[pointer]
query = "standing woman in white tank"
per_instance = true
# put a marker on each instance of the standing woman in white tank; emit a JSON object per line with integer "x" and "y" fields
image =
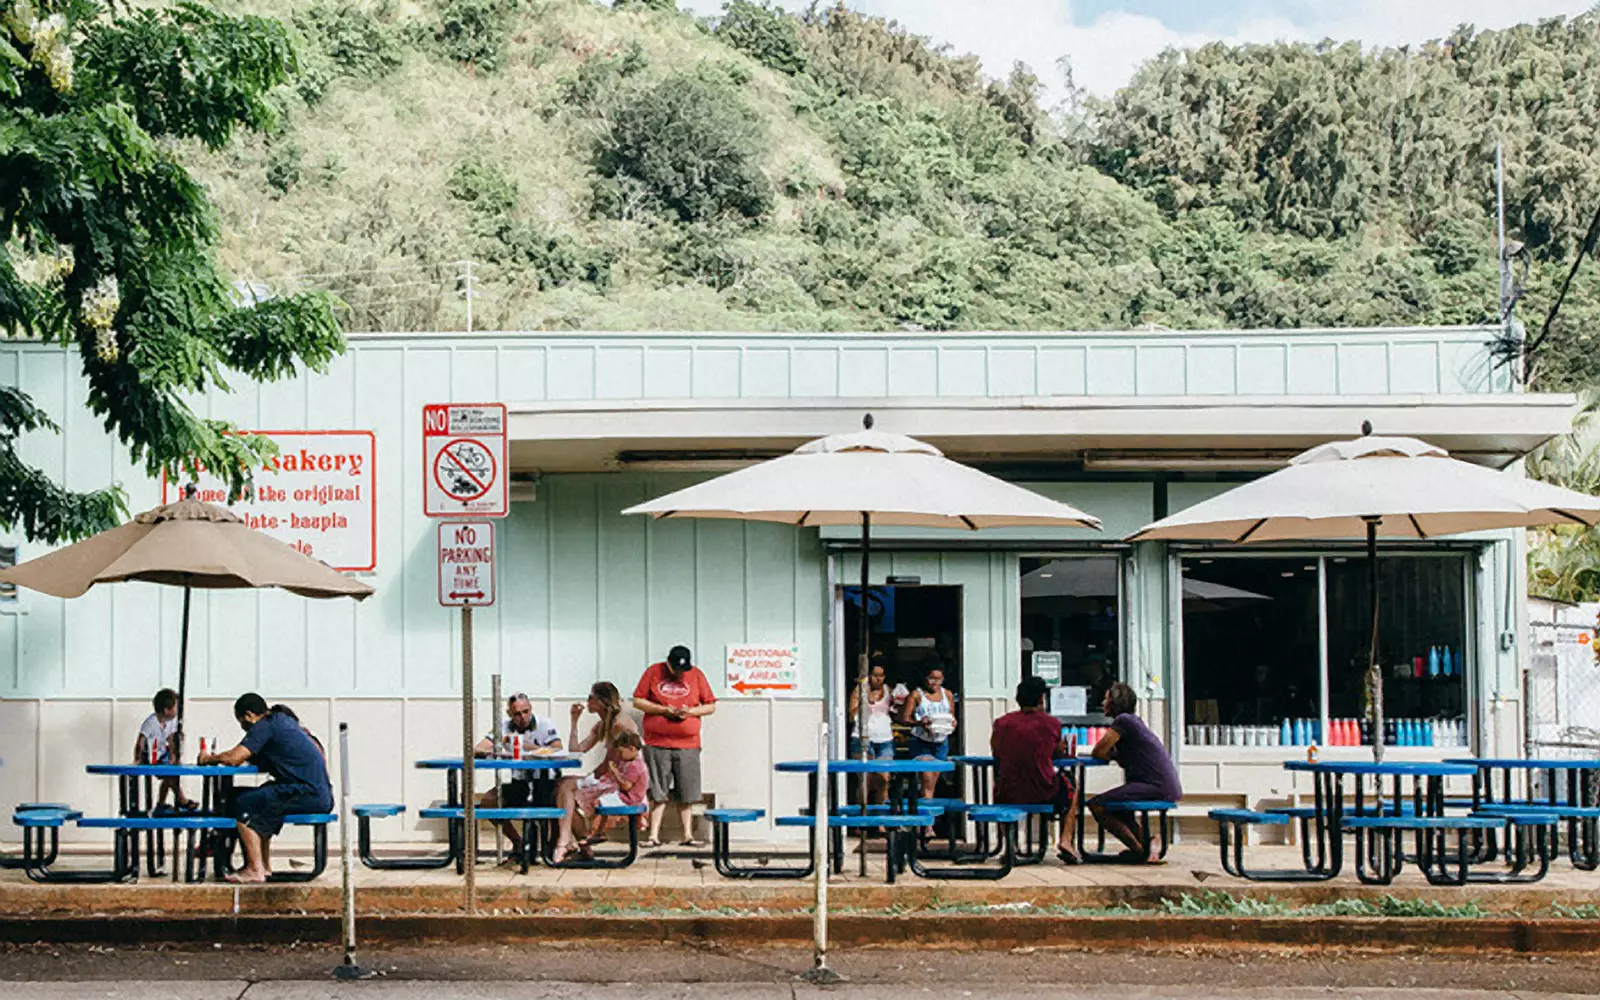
{"x": 931, "y": 712}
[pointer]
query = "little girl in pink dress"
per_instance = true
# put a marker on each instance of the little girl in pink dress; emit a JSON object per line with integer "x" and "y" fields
{"x": 621, "y": 779}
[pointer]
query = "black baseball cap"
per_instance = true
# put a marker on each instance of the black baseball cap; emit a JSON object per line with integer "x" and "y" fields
{"x": 679, "y": 659}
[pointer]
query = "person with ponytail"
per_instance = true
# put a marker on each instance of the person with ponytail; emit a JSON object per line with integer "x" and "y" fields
{"x": 604, "y": 702}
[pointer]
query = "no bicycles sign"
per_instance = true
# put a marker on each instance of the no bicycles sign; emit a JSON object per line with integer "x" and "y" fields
{"x": 464, "y": 460}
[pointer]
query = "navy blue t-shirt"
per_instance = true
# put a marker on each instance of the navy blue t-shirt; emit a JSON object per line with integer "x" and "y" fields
{"x": 280, "y": 746}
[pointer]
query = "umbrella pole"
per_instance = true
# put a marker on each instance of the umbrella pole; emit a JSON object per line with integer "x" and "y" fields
{"x": 1374, "y": 672}
{"x": 863, "y": 669}
{"x": 183, "y": 676}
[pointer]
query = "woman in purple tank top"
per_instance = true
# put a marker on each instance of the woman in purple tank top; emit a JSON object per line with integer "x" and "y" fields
{"x": 1146, "y": 767}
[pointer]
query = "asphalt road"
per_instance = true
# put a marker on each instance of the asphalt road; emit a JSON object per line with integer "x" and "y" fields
{"x": 48, "y": 972}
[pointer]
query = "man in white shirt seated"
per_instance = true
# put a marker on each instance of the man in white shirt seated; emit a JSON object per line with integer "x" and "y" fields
{"x": 156, "y": 734}
{"x": 535, "y": 731}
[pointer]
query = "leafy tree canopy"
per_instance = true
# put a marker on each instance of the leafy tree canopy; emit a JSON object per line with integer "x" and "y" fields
{"x": 107, "y": 243}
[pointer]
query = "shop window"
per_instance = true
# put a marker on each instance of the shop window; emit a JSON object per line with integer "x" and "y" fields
{"x": 1422, "y": 637}
{"x": 8, "y": 559}
{"x": 1071, "y": 627}
{"x": 1251, "y": 650}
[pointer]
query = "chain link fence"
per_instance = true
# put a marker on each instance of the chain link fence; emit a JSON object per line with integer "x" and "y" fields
{"x": 1562, "y": 685}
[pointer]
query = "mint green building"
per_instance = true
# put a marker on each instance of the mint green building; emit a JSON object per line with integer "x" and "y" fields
{"x": 1230, "y": 649}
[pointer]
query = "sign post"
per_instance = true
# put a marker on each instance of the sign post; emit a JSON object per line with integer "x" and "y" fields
{"x": 465, "y": 474}
{"x": 466, "y": 581}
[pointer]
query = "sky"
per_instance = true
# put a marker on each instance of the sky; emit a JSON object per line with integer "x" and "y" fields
{"x": 1106, "y": 39}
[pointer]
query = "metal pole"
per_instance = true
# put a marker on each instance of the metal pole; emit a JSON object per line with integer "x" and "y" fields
{"x": 1374, "y": 672}
{"x": 183, "y": 681}
{"x": 348, "y": 970}
{"x": 863, "y": 670}
{"x": 819, "y": 972}
{"x": 468, "y": 264}
{"x": 469, "y": 795}
{"x": 495, "y": 703}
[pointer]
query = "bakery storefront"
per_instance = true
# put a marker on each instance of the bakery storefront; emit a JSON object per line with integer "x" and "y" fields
{"x": 1240, "y": 655}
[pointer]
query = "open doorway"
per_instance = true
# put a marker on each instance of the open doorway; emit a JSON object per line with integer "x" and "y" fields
{"x": 912, "y": 628}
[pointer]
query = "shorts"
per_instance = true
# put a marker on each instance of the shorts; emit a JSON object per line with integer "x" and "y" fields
{"x": 674, "y": 774}
{"x": 876, "y": 751}
{"x": 1061, "y": 798}
{"x": 263, "y": 808}
{"x": 1135, "y": 791}
{"x": 522, "y": 794}
{"x": 922, "y": 748}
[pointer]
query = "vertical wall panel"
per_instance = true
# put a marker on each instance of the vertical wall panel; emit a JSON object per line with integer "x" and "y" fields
{"x": 619, "y": 373}
{"x": 716, "y": 372}
{"x": 1161, "y": 371}
{"x": 1263, "y": 370}
{"x": 1112, "y": 371}
{"x": 673, "y": 597}
{"x": 1013, "y": 371}
{"x": 379, "y": 636}
{"x": 766, "y": 372}
{"x": 1313, "y": 369}
{"x": 575, "y": 622}
{"x": 522, "y": 374}
{"x": 719, "y": 610}
{"x": 1211, "y": 371}
{"x": 963, "y": 371}
{"x": 668, "y": 372}
{"x": 431, "y": 654}
{"x": 1414, "y": 367}
{"x": 816, "y": 372}
{"x": 571, "y": 373}
{"x": 914, "y": 371}
{"x": 624, "y": 640}
{"x": 863, "y": 372}
{"x": 1363, "y": 369}
{"x": 1063, "y": 371}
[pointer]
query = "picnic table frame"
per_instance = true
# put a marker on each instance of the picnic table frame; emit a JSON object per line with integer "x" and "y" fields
{"x": 1427, "y": 799}
{"x": 1583, "y": 834}
{"x": 980, "y": 765}
{"x": 136, "y": 798}
{"x": 541, "y": 770}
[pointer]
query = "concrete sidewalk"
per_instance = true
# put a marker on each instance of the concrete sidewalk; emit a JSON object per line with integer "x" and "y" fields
{"x": 418, "y": 990}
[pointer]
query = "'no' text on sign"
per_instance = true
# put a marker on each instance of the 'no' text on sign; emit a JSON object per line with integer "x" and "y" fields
{"x": 464, "y": 460}
{"x": 466, "y": 564}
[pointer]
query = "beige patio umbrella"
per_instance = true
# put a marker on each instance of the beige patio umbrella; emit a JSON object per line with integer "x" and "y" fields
{"x": 866, "y": 478}
{"x": 185, "y": 544}
{"x": 1393, "y": 487}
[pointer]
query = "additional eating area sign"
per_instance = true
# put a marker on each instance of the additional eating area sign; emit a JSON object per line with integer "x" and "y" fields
{"x": 317, "y": 494}
{"x": 464, "y": 460}
{"x": 466, "y": 564}
{"x": 764, "y": 671}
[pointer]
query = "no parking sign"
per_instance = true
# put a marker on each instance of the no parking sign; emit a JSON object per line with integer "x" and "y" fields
{"x": 464, "y": 460}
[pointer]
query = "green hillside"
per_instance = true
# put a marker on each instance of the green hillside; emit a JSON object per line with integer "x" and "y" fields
{"x": 636, "y": 168}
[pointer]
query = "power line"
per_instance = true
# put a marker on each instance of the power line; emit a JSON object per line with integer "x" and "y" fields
{"x": 1587, "y": 246}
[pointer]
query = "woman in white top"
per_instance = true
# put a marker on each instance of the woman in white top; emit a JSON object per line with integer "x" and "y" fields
{"x": 880, "y": 730}
{"x": 931, "y": 712}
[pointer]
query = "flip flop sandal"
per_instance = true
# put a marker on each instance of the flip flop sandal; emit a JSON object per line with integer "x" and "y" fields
{"x": 693, "y": 843}
{"x": 650, "y": 844}
{"x": 1068, "y": 857}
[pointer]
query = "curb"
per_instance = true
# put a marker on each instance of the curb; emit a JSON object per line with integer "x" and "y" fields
{"x": 962, "y": 932}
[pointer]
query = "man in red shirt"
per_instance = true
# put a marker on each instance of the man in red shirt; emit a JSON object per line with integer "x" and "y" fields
{"x": 673, "y": 695}
{"x": 1025, "y": 744}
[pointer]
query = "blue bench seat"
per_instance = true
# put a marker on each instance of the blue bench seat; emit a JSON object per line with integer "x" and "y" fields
{"x": 526, "y": 813}
{"x": 1140, "y": 809}
{"x": 377, "y": 810}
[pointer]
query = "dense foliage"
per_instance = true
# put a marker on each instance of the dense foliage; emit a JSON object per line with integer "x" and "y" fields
{"x": 107, "y": 243}
{"x": 827, "y": 170}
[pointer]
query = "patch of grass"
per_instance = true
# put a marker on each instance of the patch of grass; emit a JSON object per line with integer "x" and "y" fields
{"x": 1583, "y": 911}
{"x": 1391, "y": 906}
{"x": 1212, "y": 903}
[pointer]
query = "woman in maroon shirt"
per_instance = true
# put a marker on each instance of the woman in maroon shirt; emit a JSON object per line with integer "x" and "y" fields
{"x": 1025, "y": 744}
